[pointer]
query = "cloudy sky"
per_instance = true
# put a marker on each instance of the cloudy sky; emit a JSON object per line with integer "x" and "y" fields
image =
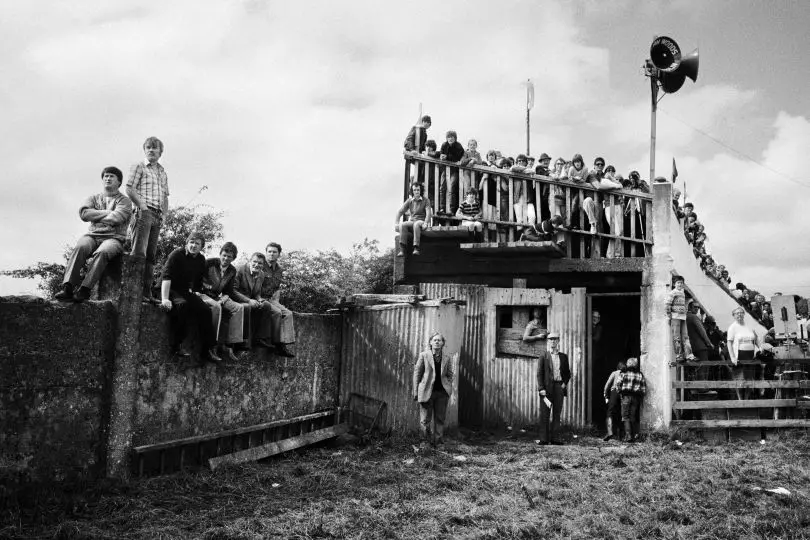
{"x": 293, "y": 113}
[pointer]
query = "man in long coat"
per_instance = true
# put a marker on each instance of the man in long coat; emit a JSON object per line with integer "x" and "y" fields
{"x": 553, "y": 374}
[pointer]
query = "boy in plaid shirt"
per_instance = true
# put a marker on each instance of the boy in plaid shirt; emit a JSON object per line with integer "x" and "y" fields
{"x": 632, "y": 387}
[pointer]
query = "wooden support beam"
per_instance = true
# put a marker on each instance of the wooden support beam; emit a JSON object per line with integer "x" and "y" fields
{"x": 742, "y": 423}
{"x": 735, "y": 404}
{"x": 271, "y": 449}
{"x": 740, "y": 384}
{"x": 231, "y": 432}
{"x": 548, "y": 248}
{"x": 371, "y": 299}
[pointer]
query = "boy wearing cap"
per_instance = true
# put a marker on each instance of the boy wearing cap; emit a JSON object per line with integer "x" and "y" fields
{"x": 108, "y": 213}
{"x": 553, "y": 374}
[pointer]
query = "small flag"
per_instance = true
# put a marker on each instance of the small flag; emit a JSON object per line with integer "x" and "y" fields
{"x": 529, "y": 94}
{"x": 674, "y": 171}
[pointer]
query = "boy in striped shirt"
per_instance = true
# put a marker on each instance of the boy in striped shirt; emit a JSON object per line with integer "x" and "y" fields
{"x": 470, "y": 212}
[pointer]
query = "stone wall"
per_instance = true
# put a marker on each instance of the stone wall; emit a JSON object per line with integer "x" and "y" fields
{"x": 55, "y": 363}
{"x": 179, "y": 399}
{"x": 56, "y": 390}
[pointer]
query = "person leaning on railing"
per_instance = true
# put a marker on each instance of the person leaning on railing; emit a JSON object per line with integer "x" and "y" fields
{"x": 452, "y": 152}
{"x": 577, "y": 174}
{"x": 522, "y": 197}
{"x": 420, "y": 215}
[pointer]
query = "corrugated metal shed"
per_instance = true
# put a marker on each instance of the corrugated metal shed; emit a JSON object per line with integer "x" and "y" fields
{"x": 502, "y": 390}
{"x": 380, "y": 347}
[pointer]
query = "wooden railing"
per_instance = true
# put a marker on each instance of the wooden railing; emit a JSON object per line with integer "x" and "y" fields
{"x": 774, "y": 397}
{"x": 506, "y": 211}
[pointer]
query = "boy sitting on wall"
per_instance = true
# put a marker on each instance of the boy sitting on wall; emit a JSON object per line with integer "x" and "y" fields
{"x": 470, "y": 212}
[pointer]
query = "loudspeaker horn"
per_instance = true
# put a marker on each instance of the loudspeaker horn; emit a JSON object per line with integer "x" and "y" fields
{"x": 665, "y": 54}
{"x": 671, "y": 82}
{"x": 689, "y": 65}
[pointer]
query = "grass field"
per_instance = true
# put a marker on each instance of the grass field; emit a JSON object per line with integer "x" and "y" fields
{"x": 485, "y": 487}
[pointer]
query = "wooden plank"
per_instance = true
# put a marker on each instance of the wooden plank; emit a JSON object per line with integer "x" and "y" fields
{"x": 446, "y": 231}
{"x": 271, "y": 449}
{"x": 749, "y": 422}
{"x": 516, "y": 175}
{"x": 735, "y": 404}
{"x": 510, "y": 341}
{"x": 227, "y": 433}
{"x": 548, "y": 248}
{"x": 371, "y": 299}
{"x": 719, "y": 363}
{"x": 740, "y": 384}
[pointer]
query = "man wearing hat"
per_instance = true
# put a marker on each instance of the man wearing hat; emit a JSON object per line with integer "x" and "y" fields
{"x": 553, "y": 374}
{"x": 542, "y": 164}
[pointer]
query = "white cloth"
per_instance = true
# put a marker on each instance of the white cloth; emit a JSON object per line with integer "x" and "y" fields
{"x": 742, "y": 338}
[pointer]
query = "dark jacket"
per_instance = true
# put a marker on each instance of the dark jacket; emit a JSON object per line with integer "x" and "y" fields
{"x": 184, "y": 271}
{"x": 273, "y": 276}
{"x": 215, "y": 283}
{"x": 697, "y": 334}
{"x": 544, "y": 375}
{"x": 410, "y": 140}
{"x": 248, "y": 285}
{"x": 454, "y": 152}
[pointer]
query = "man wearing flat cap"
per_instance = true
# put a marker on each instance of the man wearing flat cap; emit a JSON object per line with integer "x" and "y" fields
{"x": 553, "y": 374}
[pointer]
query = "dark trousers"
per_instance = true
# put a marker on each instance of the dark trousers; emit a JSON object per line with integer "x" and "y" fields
{"x": 187, "y": 310}
{"x": 433, "y": 411}
{"x": 549, "y": 427}
{"x": 449, "y": 201}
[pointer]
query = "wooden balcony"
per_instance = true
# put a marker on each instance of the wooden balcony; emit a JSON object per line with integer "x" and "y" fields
{"x": 508, "y": 199}
{"x": 621, "y": 242}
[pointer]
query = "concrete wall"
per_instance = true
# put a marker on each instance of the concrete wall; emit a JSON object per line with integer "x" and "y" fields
{"x": 175, "y": 401}
{"x": 56, "y": 392}
{"x": 54, "y": 379}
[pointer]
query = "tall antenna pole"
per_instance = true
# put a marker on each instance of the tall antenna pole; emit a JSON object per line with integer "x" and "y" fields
{"x": 654, "y": 109}
{"x": 528, "y": 85}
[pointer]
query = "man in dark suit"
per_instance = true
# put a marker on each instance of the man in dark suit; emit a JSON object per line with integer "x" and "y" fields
{"x": 249, "y": 283}
{"x": 553, "y": 374}
{"x": 227, "y": 305}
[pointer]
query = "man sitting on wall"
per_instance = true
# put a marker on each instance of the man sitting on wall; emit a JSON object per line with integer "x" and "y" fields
{"x": 249, "y": 284}
{"x": 226, "y": 303}
{"x": 283, "y": 327}
{"x": 108, "y": 213}
{"x": 181, "y": 291}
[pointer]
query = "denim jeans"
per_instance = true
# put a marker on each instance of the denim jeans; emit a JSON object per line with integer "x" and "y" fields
{"x": 144, "y": 243}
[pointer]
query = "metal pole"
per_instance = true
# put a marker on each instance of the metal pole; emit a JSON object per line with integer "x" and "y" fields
{"x": 654, "y": 104}
{"x": 528, "y": 152}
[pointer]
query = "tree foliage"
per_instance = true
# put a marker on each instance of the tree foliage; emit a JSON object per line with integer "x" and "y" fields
{"x": 178, "y": 223}
{"x": 314, "y": 281}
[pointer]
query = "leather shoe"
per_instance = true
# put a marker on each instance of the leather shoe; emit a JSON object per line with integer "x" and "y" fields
{"x": 82, "y": 294}
{"x": 181, "y": 352}
{"x": 230, "y": 355}
{"x": 282, "y": 350}
{"x": 213, "y": 356}
{"x": 66, "y": 294}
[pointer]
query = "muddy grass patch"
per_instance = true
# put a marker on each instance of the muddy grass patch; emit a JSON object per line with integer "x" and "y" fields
{"x": 486, "y": 488}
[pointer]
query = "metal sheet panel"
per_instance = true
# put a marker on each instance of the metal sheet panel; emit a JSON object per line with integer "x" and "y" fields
{"x": 471, "y": 365}
{"x": 381, "y": 344}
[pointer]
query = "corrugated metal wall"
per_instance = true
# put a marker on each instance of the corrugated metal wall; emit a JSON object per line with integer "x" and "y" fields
{"x": 380, "y": 347}
{"x": 503, "y": 390}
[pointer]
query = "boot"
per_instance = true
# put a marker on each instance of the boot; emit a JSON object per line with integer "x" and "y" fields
{"x": 609, "y": 430}
{"x": 82, "y": 294}
{"x": 634, "y": 438}
{"x": 66, "y": 294}
{"x": 628, "y": 431}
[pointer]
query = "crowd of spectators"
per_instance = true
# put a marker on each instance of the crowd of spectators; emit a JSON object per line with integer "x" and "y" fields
{"x": 752, "y": 301}
{"x": 542, "y": 213}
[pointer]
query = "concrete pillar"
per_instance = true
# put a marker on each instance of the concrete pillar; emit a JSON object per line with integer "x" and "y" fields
{"x": 125, "y": 368}
{"x": 656, "y": 340}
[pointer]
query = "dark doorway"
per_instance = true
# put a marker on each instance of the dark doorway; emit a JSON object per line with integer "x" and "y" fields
{"x": 618, "y": 339}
